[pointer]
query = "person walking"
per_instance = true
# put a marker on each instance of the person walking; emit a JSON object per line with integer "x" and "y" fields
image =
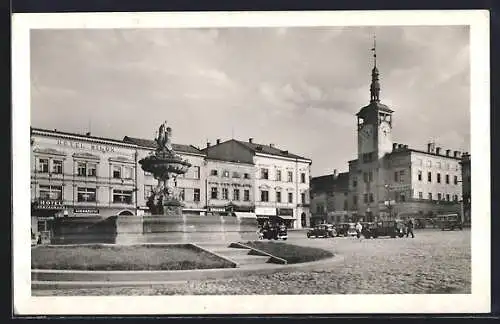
{"x": 409, "y": 228}
{"x": 359, "y": 228}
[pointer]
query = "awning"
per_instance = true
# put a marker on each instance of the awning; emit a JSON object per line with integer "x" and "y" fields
{"x": 245, "y": 215}
{"x": 265, "y": 211}
{"x": 286, "y": 217}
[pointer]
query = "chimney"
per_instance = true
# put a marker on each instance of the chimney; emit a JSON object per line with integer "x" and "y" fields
{"x": 406, "y": 146}
{"x": 400, "y": 146}
{"x": 218, "y": 141}
{"x": 250, "y": 140}
{"x": 448, "y": 152}
{"x": 438, "y": 150}
{"x": 208, "y": 144}
{"x": 87, "y": 133}
{"x": 335, "y": 173}
{"x": 429, "y": 147}
{"x": 271, "y": 145}
{"x": 394, "y": 146}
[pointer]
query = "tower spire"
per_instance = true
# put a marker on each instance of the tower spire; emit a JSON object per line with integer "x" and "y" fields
{"x": 375, "y": 85}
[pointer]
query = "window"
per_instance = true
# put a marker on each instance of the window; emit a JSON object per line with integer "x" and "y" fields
{"x": 355, "y": 200}
{"x": 214, "y": 193}
{"x": 290, "y": 198}
{"x": 420, "y": 195}
{"x": 290, "y": 176}
{"x": 430, "y": 195}
{"x": 439, "y": 178}
{"x": 264, "y": 195}
{"x": 86, "y": 194}
{"x": 365, "y": 198}
{"x": 278, "y": 175}
{"x": 236, "y": 175}
{"x": 371, "y": 197}
{"x": 91, "y": 169}
{"x": 182, "y": 194}
{"x": 429, "y": 177}
{"x": 127, "y": 172}
{"x": 303, "y": 178}
{"x": 402, "y": 197}
{"x": 82, "y": 169}
{"x": 225, "y": 194}
{"x": 447, "y": 179}
{"x": 196, "y": 194}
{"x": 396, "y": 176}
{"x": 117, "y": 172}
{"x": 148, "y": 191}
{"x": 236, "y": 194}
{"x": 43, "y": 165}
{"x": 264, "y": 173}
{"x": 196, "y": 172}
{"x": 51, "y": 192}
{"x": 429, "y": 163}
{"x": 122, "y": 196}
{"x": 365, "y": 177}
{"x": 213, "y": 172}
{"x": 225, "y": 174}
{"x": 355, "y": 182}
{"x": 402, "y": 176}
{"x": 57, "y": 166}
{"x": 455, "y": 180}
{"x": 439, "y": 196}
{"x": 447, "y": 197}
{"x": 246, "y": 176}
{"x": 303, "y": 198}
{"x": 246, "y": 195}
{"x": 419, "y": 175}
{"x": 370, "y": 176}
{"x": 278, "y": 196}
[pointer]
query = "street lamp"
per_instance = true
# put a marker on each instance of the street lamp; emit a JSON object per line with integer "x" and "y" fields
{"x": 389, "y": 206}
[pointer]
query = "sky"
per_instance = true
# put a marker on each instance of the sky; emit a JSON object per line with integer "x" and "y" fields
{"x": 296, "y": 87}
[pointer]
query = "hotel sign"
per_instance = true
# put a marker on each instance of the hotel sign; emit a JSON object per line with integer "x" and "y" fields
{"x": 86, "y": 211}
{"x": 86, "y": 146}
{"x": 50, "y": 204}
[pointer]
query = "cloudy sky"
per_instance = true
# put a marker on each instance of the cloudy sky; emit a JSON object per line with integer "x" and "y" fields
{"x": 298, "y": 88}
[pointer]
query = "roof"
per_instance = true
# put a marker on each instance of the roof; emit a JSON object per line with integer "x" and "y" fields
{"x": 374, "y": 105}
{"x": 330, "y": 182}
{"x": 409, "y": 150}
{"x": 267, "y": 149}
{"x": 152, "y": 144}
{"x": 55, "y": 131}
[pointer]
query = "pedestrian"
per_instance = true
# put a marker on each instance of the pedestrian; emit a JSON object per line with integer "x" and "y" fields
{"x": 359, "y": 228}
{"x": 409, "y": 228}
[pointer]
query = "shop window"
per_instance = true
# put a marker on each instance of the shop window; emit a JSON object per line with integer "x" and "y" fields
{"x": 86, "y": 194}
{"x": 278, "y": 175}
{"x": 51, "y": 192}
{"x": 246, "y": 195}
{"x": 214, "y": 193}
{"x": 264, "y": 174}
{"x": 290, "y": 176}
{"x": 196, "y": 195}
{"x": 57, "y": 166}
{"x": 264, "y": 195}
{"x": 122, "y": 196}
{"x": 148, "y": 191}
{"x": 117, "y": 172}
{"x": 43, "y": 165}
{"x": 236, "y": 194}
{"x": 290, "y": 198}
{"x": 303, "y": 178}
{"x": 225, "y": 194}
{"x": 278, "y": 196}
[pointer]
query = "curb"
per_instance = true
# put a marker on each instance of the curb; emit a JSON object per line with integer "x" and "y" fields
{"x": 56, "y": 279}
{"x": 255, "y": 251}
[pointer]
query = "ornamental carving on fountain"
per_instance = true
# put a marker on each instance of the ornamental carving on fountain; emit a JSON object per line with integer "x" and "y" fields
{"x": 165, "y": 165}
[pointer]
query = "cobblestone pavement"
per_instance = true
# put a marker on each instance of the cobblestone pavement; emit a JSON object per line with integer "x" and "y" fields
{"x": 432, "y": 262}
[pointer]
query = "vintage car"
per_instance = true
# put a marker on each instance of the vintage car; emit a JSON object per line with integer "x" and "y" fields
{"x": 346, "y": 229}
{"x": 322, "y": 230}
{"x": 274, "y": 232}
{"x": 450, "y": 222}
{"x": 392, "y": 228}
{"x": 367, "y": 229}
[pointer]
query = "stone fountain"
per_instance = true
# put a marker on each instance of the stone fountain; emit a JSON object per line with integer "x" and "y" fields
{"x": 165, "y": 165}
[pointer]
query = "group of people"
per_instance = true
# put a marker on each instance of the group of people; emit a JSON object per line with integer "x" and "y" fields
{"x": 267, "y": 226}
{"x": 408, "y": 229}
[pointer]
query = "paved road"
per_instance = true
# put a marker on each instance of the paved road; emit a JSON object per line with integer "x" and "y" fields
{"x": 432, "y": 262}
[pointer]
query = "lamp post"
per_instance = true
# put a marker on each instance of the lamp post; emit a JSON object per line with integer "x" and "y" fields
{"x": 389, "y": 206}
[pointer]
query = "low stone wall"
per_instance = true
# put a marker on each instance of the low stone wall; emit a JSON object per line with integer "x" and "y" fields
{"x": 153, "y": 229}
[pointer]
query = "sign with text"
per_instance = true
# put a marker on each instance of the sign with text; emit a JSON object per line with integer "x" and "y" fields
{"x": 50, "y": 204}
{"x": 86, "y": 211}
{"x": 86, "y": 146}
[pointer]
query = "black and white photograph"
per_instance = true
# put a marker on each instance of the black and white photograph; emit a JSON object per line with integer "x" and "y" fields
{"x": 258, "y": 162}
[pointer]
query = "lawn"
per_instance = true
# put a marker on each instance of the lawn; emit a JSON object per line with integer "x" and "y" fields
{"x": 291, "y": 253}
{"x": 138, "y": 257}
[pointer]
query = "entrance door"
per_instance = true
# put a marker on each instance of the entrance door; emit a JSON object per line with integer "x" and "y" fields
{"x": 303, "y": 219}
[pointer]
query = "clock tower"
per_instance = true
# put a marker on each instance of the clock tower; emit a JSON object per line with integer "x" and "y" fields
{"x": 374, "y": 126}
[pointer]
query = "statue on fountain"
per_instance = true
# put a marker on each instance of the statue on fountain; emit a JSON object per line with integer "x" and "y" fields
{"x": 165, "y": 165}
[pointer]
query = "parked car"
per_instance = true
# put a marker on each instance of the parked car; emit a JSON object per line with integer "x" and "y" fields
{"x": 332, "y": 231}
{"x": 450, "y": 222}
{"x": 368, "y": 228}
{"x": 346, "y": 229}
{"x": 323, "y": 230}
{"x": 388, "y": 228}
{"x": 274, "y": 232}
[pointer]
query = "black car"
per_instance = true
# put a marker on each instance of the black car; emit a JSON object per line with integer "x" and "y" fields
{"x": 367, "y": 229}
{"x": 274, "y": 232}
{"x": 386, "y": 228}
{"x": 323, "y": 230}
